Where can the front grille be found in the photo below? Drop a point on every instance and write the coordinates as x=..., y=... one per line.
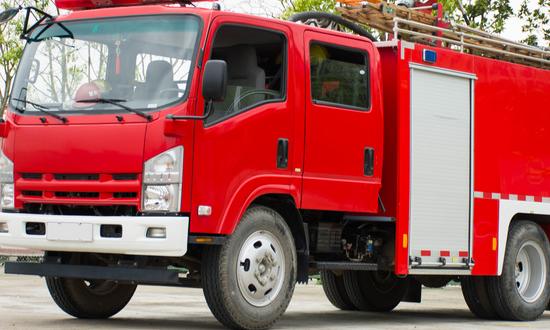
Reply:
x=76, y=177
x=76, y=194
x=125, y=195
x=35, y=193
x=31, y=176
x=124, y=176
x=79, y=188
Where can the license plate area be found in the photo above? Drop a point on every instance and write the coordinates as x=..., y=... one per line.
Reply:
x=69, y=231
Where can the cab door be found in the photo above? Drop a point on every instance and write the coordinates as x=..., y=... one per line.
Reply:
x=343, y=134
x=244, y=148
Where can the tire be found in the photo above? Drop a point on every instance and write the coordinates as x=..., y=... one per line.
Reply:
x=355, y=28
x=234, y=292
x=527, y=251
x=333, y=286
x=476, y=295
x=375, y=291
x=90, y=299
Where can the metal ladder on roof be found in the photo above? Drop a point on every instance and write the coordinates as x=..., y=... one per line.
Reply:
x=416, y=25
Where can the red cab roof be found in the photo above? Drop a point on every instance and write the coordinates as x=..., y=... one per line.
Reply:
x=93, y=4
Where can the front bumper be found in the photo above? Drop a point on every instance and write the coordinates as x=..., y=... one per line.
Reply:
x=83, y=234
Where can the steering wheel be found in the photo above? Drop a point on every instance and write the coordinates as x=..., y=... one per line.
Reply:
x=231, y=108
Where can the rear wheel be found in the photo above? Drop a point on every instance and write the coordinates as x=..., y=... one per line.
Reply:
x=94, y=299
x=522, y=292
x=333, y=286
x=474, y=290
x=249, y=280
x=379, y=291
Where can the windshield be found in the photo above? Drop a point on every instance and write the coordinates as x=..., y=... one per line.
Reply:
x=141, y=63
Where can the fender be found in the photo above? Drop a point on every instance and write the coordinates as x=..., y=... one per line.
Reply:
x=508, y=209
x=250, y=190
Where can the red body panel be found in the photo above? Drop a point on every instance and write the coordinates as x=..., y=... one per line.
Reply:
x=510, y=119
x=485, y=233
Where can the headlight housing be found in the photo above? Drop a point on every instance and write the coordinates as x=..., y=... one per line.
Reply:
x=162, y=179
x=7, y=194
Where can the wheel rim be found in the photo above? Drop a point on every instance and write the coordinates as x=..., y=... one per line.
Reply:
x=260, y=268
x=530, y=271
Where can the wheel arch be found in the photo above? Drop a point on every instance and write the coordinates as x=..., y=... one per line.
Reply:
x=511, y=211
x=286, y=207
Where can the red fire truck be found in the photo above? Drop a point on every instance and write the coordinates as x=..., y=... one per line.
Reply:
x=142, y=139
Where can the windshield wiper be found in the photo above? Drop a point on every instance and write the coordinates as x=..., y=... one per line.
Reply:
x=118, y=104
x=42, y=108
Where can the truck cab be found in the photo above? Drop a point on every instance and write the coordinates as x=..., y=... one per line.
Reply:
x=143, y=137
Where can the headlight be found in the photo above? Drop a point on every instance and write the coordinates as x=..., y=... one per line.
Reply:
x=6, y=169
x=162, y=178
x=7, y=196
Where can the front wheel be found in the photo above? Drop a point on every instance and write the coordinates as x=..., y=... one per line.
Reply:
x=93, y=299
x=249, y=280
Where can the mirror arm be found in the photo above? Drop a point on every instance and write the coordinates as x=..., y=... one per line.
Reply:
x=209, y=107
x=44, y=17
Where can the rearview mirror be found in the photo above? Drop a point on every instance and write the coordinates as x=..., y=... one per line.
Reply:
x=214, y=80
x=8, y=14
x=214, y=88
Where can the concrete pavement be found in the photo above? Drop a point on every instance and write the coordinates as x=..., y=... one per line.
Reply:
x=25, y=304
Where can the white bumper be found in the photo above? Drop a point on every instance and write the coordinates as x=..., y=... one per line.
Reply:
x=82, y=234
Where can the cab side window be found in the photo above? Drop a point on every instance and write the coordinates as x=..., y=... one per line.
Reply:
x=256, y=65
x=339, y=76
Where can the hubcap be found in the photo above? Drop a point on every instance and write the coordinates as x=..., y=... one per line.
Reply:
x=530, y=271
x=100, y=287
x=260, y=268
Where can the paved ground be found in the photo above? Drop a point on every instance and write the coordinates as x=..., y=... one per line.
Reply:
x=25, y=304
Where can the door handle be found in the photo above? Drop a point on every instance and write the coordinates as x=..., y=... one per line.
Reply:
x=282, y=154
x=368, y=169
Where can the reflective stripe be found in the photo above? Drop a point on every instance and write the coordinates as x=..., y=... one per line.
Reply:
x=513, y=197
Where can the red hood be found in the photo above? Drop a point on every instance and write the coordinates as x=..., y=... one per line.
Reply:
x=109, y=148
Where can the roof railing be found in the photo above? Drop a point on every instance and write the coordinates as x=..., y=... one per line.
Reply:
x=415, y=25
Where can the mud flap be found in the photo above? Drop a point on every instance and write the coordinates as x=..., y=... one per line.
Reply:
x=414, y=291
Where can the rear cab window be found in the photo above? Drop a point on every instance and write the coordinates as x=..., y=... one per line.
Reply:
x=340, y=76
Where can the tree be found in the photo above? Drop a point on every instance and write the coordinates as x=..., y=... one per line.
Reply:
x=537, y=21
x=291, y=7
x=11, y=47
x=488, y=15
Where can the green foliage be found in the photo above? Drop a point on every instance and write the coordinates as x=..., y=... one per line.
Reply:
x=493, y=15
x=487, y=15
x=537, y=21
x=291, y=7
x=11, y=47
